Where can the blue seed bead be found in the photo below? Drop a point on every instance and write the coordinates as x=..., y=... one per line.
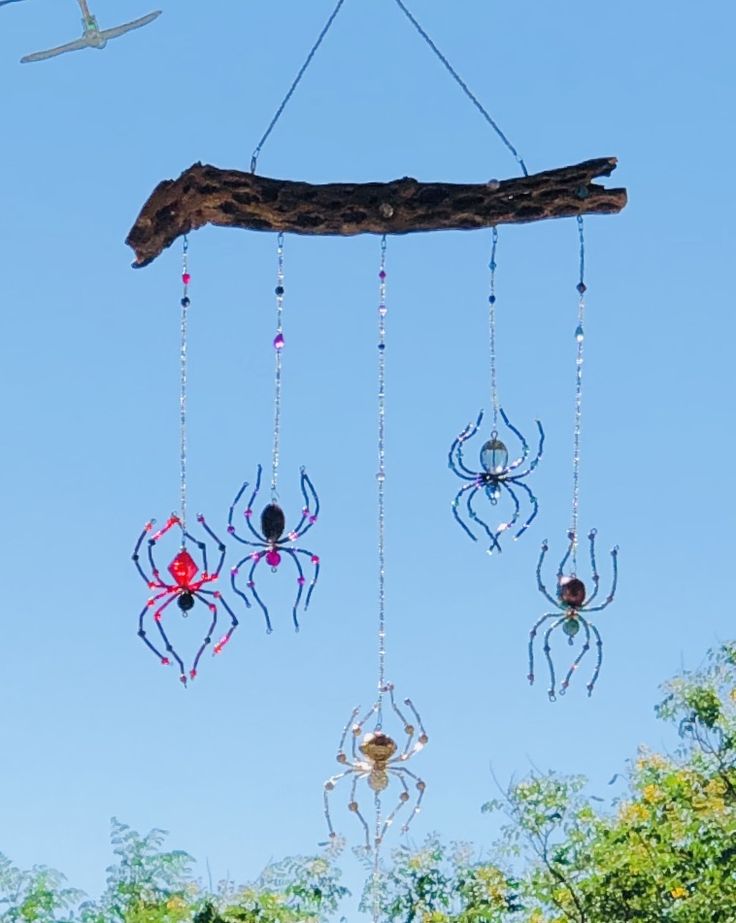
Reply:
x=492, y=299
x=582, y=287
x=381, y=346
x=185, y=302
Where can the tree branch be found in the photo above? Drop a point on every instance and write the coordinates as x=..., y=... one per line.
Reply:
x=230, y=198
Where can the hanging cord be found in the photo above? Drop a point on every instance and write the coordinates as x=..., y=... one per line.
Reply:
x=278, y=345
x=183, y=357
x=464, y=87
x=580, y=339
x=381, y=478
x=295, y=84
x=492, y=330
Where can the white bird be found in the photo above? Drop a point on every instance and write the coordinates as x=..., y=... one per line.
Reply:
x=92, y=36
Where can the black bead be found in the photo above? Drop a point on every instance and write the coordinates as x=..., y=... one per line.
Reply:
x=582, y=288
x=279, y=290
x=185, y=602
x=185, y=302
x=273, y=522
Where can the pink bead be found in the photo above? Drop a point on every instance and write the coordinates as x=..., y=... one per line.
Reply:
x=279, y=341
x=248, y=514
x=312, y=520
x=301, y=581
x=315, y=559
x=186, y=278
x=273, y=558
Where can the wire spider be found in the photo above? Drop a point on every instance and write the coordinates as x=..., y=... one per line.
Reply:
x=187, y=587
x=495, y=476
x=574, y=604
x=272, y=543
x=377, y=763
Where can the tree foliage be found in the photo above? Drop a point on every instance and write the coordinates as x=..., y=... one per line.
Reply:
x=664, y=852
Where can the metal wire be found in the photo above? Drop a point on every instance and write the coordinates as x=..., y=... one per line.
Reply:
x=278, y=345
x=295, y=84
x=381, y=477
x=463, y=86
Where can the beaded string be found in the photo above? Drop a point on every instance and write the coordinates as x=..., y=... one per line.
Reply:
x=183, y=357
x=492, y=330
x=580, y=339
x=278, y=345
x=381, y=478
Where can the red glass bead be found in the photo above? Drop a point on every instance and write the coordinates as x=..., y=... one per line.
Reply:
x=186, y=278
x=183, y=569
x=273, y=558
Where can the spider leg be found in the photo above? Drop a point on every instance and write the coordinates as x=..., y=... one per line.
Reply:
x=252, y=587
x=456, y=503
x=403, y=798
x=540, y=585
x=329, y=787
x=208, y=638
x=309, y=515
x=142, y=631
x=563, y=563
x=136, y=553
x=203, y=551
x=248, y=515
x=314, y=559
x=476, y=518
x=576, y=663
x=164, y=637
x=172, y=521
x=548, y=654
x=505, y=526
x=599, y=658
x=421, y=786
x=524, y=444
x=346, y=731
x=218, y=648
x=353, y=806
x=411, y=746
x=220, y=547
x=535, y=461
x=455, y=455
x=532, y=636
x=609, y=599
x=532, y=500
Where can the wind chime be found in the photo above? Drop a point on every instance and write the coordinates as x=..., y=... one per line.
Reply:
x=573, y=603
x=273, y=541
x=190, y=582
x=371, y=752
x=497, y=474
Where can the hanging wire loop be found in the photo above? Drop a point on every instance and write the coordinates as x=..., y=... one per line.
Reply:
x=295, y=84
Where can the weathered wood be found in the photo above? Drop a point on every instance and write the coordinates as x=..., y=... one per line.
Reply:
x=229, y=198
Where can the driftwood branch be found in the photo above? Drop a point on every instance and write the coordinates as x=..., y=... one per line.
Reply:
x=229, y=198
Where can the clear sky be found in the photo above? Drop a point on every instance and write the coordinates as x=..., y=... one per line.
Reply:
x=91, y=725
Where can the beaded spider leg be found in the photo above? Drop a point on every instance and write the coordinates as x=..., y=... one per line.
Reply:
x=185, y=590
x=573, y=608
x=497, y=475
x=271, y=542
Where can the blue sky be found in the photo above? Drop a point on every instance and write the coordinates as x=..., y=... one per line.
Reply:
x=233, y=767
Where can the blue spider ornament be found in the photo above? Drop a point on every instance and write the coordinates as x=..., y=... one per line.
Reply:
x=496, y=476
x=573, y=605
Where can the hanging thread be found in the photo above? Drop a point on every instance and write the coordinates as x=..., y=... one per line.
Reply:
x=183, y=357
x=278, y=345
x=580, y=339
x=295, y=84
x=463, y=86
x=492, y=331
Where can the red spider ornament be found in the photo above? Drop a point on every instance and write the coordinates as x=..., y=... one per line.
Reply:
x=188, y=586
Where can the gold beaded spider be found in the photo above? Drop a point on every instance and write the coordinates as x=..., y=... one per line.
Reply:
x=377, y=762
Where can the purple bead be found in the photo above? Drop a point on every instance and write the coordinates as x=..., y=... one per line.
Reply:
x=279, y=341
x=382, y=275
